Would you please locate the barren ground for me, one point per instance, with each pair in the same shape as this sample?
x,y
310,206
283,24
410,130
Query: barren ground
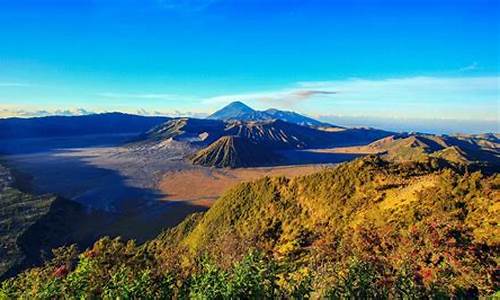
x,y
202,186
146,187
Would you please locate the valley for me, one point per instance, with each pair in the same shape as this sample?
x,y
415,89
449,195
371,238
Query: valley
x,y
226,150
154,178
118,179
202,186
152,186
142,188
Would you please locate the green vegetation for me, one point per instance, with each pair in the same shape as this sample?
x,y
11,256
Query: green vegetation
x,y
481,150
31,225
365,229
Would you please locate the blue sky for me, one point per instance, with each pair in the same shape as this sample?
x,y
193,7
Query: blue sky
x,y
383,59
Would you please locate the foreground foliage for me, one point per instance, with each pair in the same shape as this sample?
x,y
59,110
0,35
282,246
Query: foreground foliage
x,y
365,229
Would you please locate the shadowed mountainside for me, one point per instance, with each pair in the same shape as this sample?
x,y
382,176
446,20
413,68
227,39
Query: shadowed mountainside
x,y
273,137
32,225
231,151
262,136
190,130
103,203
58,126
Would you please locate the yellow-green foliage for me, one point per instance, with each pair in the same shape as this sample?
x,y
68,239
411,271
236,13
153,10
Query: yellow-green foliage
x,y
365,229
293,211
290,217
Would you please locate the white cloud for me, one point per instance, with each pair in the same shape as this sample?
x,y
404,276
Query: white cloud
x,y
471,67
464,97
14,84
421,96
157,96
170,113
30,112
287,97
26,113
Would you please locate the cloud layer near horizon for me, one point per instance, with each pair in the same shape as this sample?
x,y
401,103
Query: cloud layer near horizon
x,y
411,97
467,98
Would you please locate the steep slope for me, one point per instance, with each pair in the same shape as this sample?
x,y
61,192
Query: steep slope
x,y
264,139
489,141
408,147
478,148
30,226
185,130
453,154
57,126
366,207
293,117
238,111
368,229
234,152
279,134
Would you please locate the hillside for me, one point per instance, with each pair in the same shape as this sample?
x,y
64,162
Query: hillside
x,y
185,130
463,150
263,140
408,147
365,191
234,152
30,226
486,140
278,134
365,229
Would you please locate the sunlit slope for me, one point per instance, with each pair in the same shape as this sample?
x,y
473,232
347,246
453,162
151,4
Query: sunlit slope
x,y
292,214
463,150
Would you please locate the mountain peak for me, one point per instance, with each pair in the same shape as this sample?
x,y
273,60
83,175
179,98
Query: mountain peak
x,y
238,105
234,152
233,111
241,112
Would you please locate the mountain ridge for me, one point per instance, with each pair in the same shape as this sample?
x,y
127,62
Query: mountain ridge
x,y
31,225
370,228
465,150
270,136
60,126
238,111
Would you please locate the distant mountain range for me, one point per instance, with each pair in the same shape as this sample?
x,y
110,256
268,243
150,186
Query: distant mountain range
x,y
463,150
238,111
57,126
238,136
230,131
225,136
